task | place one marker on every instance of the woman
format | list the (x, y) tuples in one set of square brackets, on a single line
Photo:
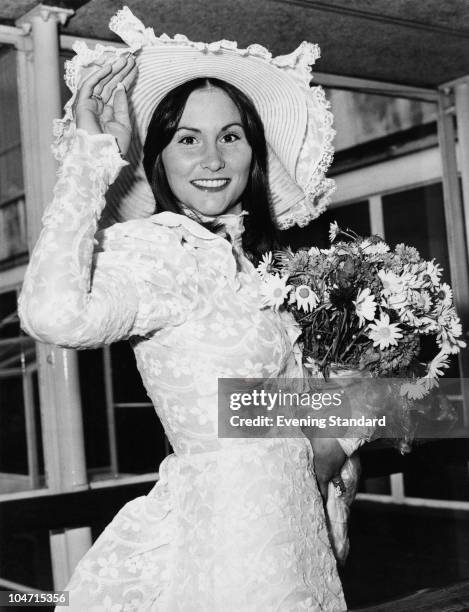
[(232, 524)]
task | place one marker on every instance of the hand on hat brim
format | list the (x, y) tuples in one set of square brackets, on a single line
[(101, 102)]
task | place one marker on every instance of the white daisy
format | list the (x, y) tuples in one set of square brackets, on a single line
[(445, 315), (451, 348), (265, 265), (416, 390), (431, 383), (397, 301), (451, 334), (437, 365), (365, 306), (455, 327), (412, 319), (392, 283), (414, 276), (428, 325), (312, 365), (305, 298), (274, 290), (334, 229), (377, 248), (445, 294), (432, 273), (314, 251), (383, 333), (425, 301)]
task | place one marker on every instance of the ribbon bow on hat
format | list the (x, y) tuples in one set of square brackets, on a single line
[(297, 122)]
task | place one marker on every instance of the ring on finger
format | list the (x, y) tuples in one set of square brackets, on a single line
[(96, 97), (339, 486)]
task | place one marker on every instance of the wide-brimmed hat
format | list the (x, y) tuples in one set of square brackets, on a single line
[(297, 122)]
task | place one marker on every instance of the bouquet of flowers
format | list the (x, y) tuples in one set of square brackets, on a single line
[(362, 305)]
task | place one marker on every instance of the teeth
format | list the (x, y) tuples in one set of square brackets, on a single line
[(211, 182)]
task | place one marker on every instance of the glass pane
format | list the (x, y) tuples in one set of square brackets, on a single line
[(13, 456), (361, 117), (13, 238), (354, 216), (140, 440), (93, 397), (127, 384), (439, 470), (11, 173), (24, 543), (417, 217), (379, 486), (21, 460)]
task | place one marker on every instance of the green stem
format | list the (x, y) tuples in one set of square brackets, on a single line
[(347, 348)]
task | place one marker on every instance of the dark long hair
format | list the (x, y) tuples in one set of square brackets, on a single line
[(260, 232)]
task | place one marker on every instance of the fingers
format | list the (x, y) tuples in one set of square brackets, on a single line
[(88, 85), (100, 105), (130, 78), (115, 67), (103, 81), (120, 70), (121, 107)]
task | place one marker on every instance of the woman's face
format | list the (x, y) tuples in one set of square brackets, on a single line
[(207, 162)]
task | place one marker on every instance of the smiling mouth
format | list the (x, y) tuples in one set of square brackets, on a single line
[(211, 184)]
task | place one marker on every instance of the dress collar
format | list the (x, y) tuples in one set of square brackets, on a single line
[(229, 225)]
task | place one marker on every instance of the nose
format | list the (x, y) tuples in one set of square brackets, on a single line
[(212, 158)]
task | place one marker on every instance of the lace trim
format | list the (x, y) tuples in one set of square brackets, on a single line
[(318, 189), (132, 31)]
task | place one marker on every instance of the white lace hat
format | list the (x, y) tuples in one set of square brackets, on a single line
[(297, 122)]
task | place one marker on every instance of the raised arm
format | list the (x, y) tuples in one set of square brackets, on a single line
[(61, 303)]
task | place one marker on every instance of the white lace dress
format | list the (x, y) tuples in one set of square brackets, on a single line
[(231, 525)]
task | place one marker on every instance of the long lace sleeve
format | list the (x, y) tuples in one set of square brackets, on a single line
[(83, 289)]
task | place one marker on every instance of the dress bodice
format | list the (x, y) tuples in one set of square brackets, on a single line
[(226, 334)]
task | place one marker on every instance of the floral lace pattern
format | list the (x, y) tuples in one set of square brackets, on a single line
[(232, 524)]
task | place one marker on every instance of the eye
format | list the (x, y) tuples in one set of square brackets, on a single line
[(230, 137), (187, 140)]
